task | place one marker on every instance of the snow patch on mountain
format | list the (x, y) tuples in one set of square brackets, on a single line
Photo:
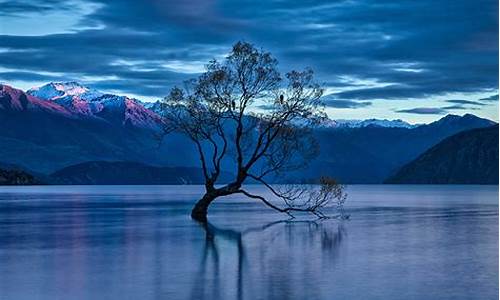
[(398, 123), (57, 90), (71, 95), (153, 106)]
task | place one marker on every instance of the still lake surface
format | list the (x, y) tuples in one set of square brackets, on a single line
[(138, 242)]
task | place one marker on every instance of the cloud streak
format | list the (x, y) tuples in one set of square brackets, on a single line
[(466, 102), (423, 111), (333, 102), (490, 98)]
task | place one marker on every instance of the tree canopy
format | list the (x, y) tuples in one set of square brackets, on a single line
[(243, 114)]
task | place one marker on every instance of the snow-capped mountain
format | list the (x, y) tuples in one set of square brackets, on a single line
[(91, 103), (132, 110), (71, 95), (58, 90), (368, 123)]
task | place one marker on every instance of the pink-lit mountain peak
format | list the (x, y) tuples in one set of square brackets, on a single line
[(12, 99), (91, 103)]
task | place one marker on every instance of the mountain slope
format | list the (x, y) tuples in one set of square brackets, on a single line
[(123, 172), (469, 157), (16, 101)]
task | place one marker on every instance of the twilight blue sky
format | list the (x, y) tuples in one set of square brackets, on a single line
[(414, 60)]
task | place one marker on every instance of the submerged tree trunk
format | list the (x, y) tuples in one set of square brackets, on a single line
[(200, 209)]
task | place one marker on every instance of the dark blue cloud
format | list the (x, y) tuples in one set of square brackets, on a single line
[(339, 103), (465, 102), (490, 98), (22, 7), (415, 48), (424, 111), (458, 107), (30, 76)]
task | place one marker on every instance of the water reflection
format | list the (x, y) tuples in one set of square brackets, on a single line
[(266, 261)]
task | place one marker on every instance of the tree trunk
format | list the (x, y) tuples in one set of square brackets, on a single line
[(200, 209)]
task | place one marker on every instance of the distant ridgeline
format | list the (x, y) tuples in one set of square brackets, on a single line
[(75, 135), (101, 172), (468, 157)]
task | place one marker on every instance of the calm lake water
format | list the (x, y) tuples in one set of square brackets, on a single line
[(138, 242)]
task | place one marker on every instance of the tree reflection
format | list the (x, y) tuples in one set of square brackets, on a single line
[(280, 260)]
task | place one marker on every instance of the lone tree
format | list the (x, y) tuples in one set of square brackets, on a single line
[(243, 114)]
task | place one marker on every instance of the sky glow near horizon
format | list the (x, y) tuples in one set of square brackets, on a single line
[(410, 60)]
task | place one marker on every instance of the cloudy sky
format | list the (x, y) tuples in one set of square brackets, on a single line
[(414, 60)]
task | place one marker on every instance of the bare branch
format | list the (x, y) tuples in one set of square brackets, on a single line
[(306, 198)]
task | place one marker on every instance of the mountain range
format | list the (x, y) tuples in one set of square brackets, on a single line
[(58, 125), (371, 154)]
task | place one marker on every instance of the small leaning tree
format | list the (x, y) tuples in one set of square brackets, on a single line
[(243, 114)]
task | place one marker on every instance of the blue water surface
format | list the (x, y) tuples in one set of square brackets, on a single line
[(138, 242)]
